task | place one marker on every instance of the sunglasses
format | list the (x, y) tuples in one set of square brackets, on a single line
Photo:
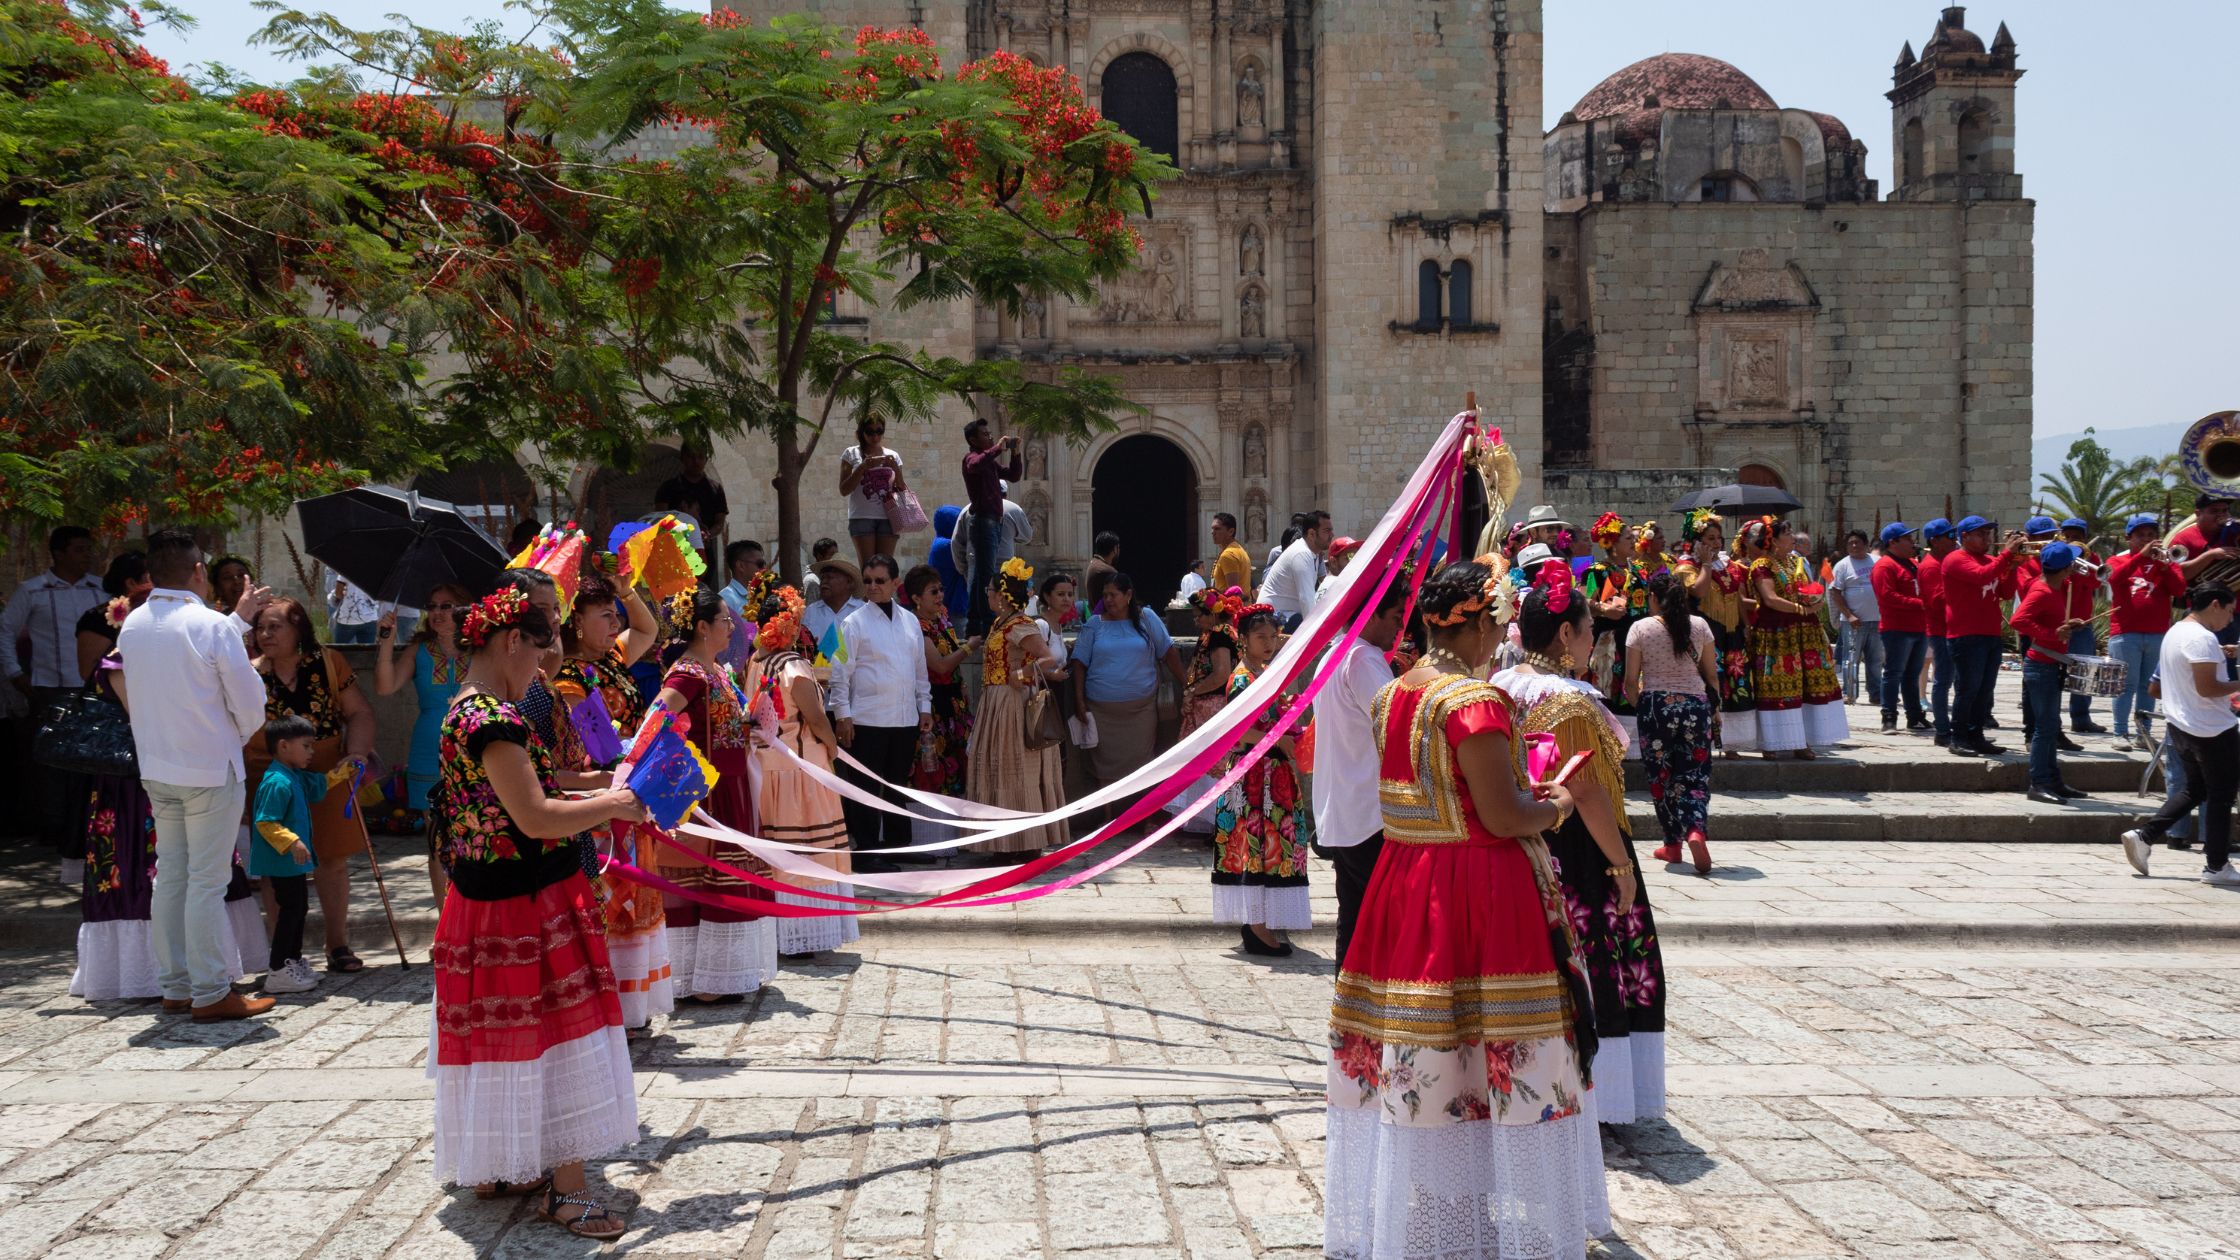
[(443, 608)]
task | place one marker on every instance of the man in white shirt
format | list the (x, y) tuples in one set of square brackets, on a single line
[(1341, 552), (45, 609), (1193, 581), (195, 700), (1290, 584), (2197, 707), (1348, 820), (836, 590), (882, 701)]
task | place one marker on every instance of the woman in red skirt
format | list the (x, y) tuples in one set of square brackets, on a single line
[(1460, 1123), (531, 1068)]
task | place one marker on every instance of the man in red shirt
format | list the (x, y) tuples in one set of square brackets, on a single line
[(2142, 585), (1940, 539), (2204, 540), (1975, 582), (2042, 617), (2085, 585), (1903, 628), (2038, 530)]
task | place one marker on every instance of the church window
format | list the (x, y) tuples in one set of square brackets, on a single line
[(1458, 292), (1139, 97), (1975, 141), (1912, 154), (1792, 165), (1727, 186), (1428, 285)]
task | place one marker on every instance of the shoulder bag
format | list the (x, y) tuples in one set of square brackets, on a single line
[(86, 734), (905, 513)]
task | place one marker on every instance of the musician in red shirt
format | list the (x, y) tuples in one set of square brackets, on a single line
[(2207, 541), (2088, 579), (2042, 616), (2039, 530), (1976, 580), (2142, 585), (1941, 539), (1903, 628)]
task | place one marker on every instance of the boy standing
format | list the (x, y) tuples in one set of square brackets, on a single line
[(282, 818)]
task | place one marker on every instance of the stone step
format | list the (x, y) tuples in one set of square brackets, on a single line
[(1837, 818), (1925, 768)]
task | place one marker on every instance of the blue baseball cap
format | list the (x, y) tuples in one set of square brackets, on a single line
[(1894, 531), (1937, 528), (2074, 522), (2056, 556), (2037, 525), (1970, 524), (2139, 521)]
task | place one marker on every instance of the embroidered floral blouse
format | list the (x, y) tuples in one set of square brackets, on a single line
[(487, 854), (943, 638), (320, 680)]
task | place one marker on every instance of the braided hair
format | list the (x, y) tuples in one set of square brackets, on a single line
[(1538, 624), (1448, 590), (1672, 599)]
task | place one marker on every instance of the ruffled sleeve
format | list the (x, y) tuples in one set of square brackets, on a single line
[(496, 724), (1487, 714)]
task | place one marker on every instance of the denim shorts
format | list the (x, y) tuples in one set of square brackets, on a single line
[(869, 527)]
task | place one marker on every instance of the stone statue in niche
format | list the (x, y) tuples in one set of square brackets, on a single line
[(1038, 516), (1255, 517), (1248, 251), (1038, 459), (1034, 319), (1754, 373), (1252, 97), (1151, 295), (1255, 452), (1252, 321)]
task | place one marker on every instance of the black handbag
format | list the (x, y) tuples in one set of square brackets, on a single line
[(86, 734)]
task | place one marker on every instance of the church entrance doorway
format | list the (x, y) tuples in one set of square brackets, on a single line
[(1145, 490)]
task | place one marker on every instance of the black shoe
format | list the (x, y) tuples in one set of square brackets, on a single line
[(872, 865), (1944, 741), (2070, 793), (1253, 945), (1986, 748), (2066, 744), (2047, 796), (2087, 728), (1959, 749), (2182, 846), (1889, 726), (1991, 724)]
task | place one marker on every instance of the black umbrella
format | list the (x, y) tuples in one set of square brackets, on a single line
[(1732, 497), (396, 546)]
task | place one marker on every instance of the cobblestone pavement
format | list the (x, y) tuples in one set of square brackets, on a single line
[(1103, 1079)]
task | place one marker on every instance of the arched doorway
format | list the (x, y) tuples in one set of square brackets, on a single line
[(1145, 490), (1759, 475)]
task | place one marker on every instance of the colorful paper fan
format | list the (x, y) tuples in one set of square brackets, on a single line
[(557, 550), (595, 725), (659, 556), (671, 779), (832, 649)]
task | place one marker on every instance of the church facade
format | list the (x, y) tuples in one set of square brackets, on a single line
[(1679, 279)]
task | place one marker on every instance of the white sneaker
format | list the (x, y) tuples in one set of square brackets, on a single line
[(2136, 847), (2225, 876), (295, 976)]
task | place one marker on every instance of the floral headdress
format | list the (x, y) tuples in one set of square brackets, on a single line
[(1695, 522), (1607, 528), (1494, 594), (114, 614), (1554, 583), (1647, 530), (680, 615), (498, 611), (1017, 569), (782, 630), (1228, 605), (766, 583), (1252, 610), (1760, 532)]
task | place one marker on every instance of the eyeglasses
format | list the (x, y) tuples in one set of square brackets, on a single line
[(880, 432), (442, 608)]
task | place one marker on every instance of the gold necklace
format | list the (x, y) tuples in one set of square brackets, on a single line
[(1544, 663), (1447, 662)]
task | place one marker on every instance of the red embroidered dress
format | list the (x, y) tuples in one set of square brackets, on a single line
[(530, 1064), (1459, 1119), (637, 937), (718, 949)]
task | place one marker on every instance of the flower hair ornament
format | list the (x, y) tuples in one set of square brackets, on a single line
[(1646, 531), (1553, 581), (1228, 605), (495, 612), (1500, 591), (114, 614), (1759, 533), (1607, 529), (1695, 522), (782, 630), (1017, 569), (680, 615)]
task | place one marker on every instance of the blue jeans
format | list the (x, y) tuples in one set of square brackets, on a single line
[(346, 632), (2041, 698), (2140, 654), (2174, 781), (1940, 683), (1861, 644), (1902, 654), (987, 541), (1975, 669), (2081, 643)]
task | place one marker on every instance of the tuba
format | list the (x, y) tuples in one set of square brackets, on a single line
[(2209, 455)]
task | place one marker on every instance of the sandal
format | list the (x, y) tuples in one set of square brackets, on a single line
[(592, 1220), (340, 959), (512, 1190)]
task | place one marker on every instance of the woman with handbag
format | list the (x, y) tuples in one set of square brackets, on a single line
[(871, 480), (1117, 659), (1014, 761), (315, 683), (793, 807)]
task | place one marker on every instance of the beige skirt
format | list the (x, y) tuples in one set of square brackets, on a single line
[(1001, 770)]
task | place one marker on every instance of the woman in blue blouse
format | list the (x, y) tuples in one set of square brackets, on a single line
[(1116, 680)]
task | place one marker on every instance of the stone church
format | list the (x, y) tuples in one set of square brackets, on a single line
[(1679, 281)]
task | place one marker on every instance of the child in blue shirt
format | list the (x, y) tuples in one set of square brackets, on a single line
[(282, 820)]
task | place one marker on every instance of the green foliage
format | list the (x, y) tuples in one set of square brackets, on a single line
[(2101, 491)]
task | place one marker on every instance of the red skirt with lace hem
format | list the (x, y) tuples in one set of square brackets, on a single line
[(517, 976)]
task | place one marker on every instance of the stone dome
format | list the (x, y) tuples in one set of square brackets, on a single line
[(1672, 81)]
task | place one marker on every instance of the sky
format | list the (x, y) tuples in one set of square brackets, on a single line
[(2130, 281)]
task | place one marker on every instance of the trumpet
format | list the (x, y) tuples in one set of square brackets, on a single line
[(2156, 551)]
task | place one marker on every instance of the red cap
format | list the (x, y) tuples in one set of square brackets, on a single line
[(1340, 546)]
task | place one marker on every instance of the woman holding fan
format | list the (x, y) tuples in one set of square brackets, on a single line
[(793, 807)]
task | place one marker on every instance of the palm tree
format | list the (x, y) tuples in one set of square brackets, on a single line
[(2096, 489)]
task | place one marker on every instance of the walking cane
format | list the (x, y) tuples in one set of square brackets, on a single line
[(380, 885)]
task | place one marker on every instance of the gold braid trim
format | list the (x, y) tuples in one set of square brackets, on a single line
[(1577, 721)]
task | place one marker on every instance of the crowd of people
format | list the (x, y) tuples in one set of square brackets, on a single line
[(1499, 977)]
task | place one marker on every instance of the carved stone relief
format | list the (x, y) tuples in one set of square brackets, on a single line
[(1249, 259), (1252, 97), (1756, 376), (1038, 516), (1158, 291), (1252, 321), (1038, 459), (1255, 516), (1255, 451)]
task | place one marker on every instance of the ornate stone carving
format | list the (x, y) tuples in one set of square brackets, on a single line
[(1252, 97), (1034, 319), (1756, 376), (1255, 516), (1252, 321), (1159, 291), (1038, 459), (1255, 451), (1754, 282), (1038, 516), (1249, 259)]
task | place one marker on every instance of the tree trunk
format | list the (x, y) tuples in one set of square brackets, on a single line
[(786, 481)]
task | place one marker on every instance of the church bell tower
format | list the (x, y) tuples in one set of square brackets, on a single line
[(1952, 116)]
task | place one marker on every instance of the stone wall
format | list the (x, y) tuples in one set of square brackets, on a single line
[(1638, 495)]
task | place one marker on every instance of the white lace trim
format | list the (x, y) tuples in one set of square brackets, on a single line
[(1468, 1191), (1780, 730), (1739, 731), (1283, 909), (1826, 724), (723, 958), (515, 1121), (633, 958), (811, 936), (1629, 1078), (117, 958)]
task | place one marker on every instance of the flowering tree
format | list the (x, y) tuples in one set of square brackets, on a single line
[(839, 162), (157, 354)]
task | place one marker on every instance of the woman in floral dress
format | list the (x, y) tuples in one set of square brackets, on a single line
[(1265, 822), (1672, 676), (718, 953), (531, 1067), (1460, 1123), (600, 649), (940, 766), (1715, 580), (1602, 893), (1206, 688), (1005, 772), (1800, 703), (795, 808)]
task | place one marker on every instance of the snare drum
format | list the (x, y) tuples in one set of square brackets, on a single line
[(2095, 676)]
